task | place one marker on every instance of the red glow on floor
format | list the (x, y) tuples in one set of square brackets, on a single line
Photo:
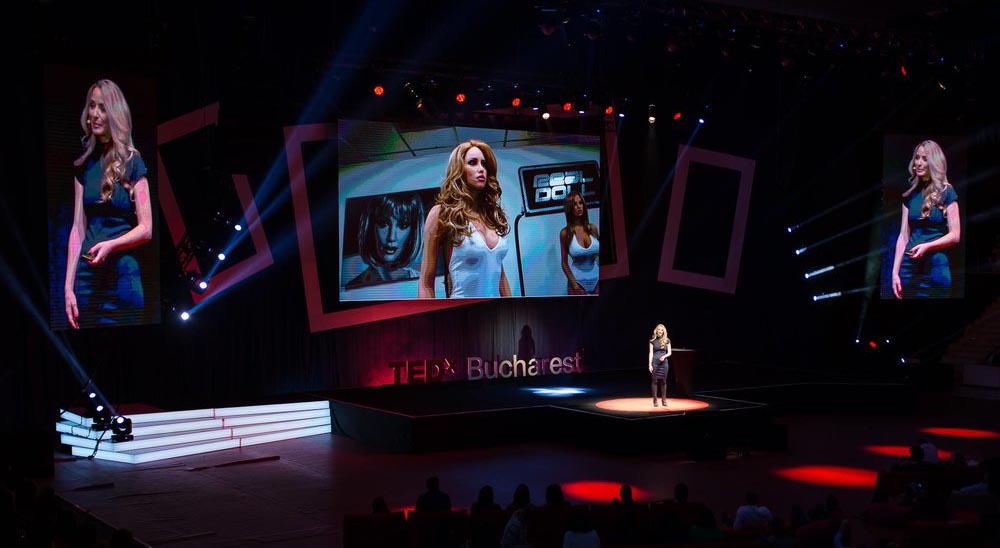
[(961, 432), (405, 510), (645, 405), (900, 451), (837, 476), (598, 491)]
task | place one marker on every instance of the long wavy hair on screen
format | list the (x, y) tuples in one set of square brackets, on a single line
[(934, 190), (571, 220), (458, 201), (121, 149)]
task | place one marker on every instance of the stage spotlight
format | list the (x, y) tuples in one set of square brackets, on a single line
[(534, 109), (902, 360), (222, 256), (378, 90), (460, 98), (677, 115), (238, 227), (902, 70), (608, 111), (581, 111), (825, 296), (652, 119), (872, 344), (815, 273), (203, 285), (101, 418), (185, 316), (122, 428), (567, 106), (515, 102), (701, 120), (887, 341), (800, 251), (857, 341), (621, 114), (545, 115), (651, 111)]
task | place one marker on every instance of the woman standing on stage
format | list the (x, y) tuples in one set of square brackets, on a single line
[(659, 351), (930, 224), (469, 224), (580, 248), (111, 215)]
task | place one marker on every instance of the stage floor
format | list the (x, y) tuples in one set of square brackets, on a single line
[(591, 408)]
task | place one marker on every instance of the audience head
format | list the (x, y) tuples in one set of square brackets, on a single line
[(554, 495), (433, 484), (485, 495), (917, 453), (681, 492), (522, 497), (379, 506), (626, 493), (751, 498)]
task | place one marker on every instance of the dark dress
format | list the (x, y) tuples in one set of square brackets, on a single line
[(928, 277), (660, 368), (109, 293)]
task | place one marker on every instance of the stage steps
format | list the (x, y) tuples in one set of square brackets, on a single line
[(164, 435)]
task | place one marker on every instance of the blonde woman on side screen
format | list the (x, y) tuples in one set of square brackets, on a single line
[(659, 351)]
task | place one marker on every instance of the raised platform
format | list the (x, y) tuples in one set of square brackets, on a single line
[(605, 410), (169, 434)]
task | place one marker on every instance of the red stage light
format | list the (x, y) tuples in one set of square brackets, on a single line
[(567, 106), (460, 98), (902, 70), (599, 491), (516, 102), (838, 476), (609, 111), (900, 451), (379, 90), (871, 344), (961, 432), (677, 115)]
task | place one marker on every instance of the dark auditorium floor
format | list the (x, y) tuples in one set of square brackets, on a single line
[(300, 498)]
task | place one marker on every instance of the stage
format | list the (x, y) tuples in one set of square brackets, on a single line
[(605, 410)]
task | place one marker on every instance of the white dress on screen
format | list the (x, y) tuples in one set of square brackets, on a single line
[(475, 268), (583, 262)]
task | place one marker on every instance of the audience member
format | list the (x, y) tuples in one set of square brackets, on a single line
[(515, 533), (752, 517), (484, 503), (522, 498), (930, 452), (581, 533), (554, 497), (434, 500)]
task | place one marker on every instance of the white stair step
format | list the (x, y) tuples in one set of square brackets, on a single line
[(210, 413), (149, 455)]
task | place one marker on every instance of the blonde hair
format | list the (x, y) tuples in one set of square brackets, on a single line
[(457, 201), (664, 341), (119, 128), (938, 168)]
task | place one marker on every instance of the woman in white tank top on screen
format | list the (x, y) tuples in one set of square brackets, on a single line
[(468, 223), (580, 248)]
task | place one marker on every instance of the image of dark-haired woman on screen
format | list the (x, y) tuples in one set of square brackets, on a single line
[(659, 366), (930, 224), (111, 215), (389, 239), (469, 225), (579, 247)]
